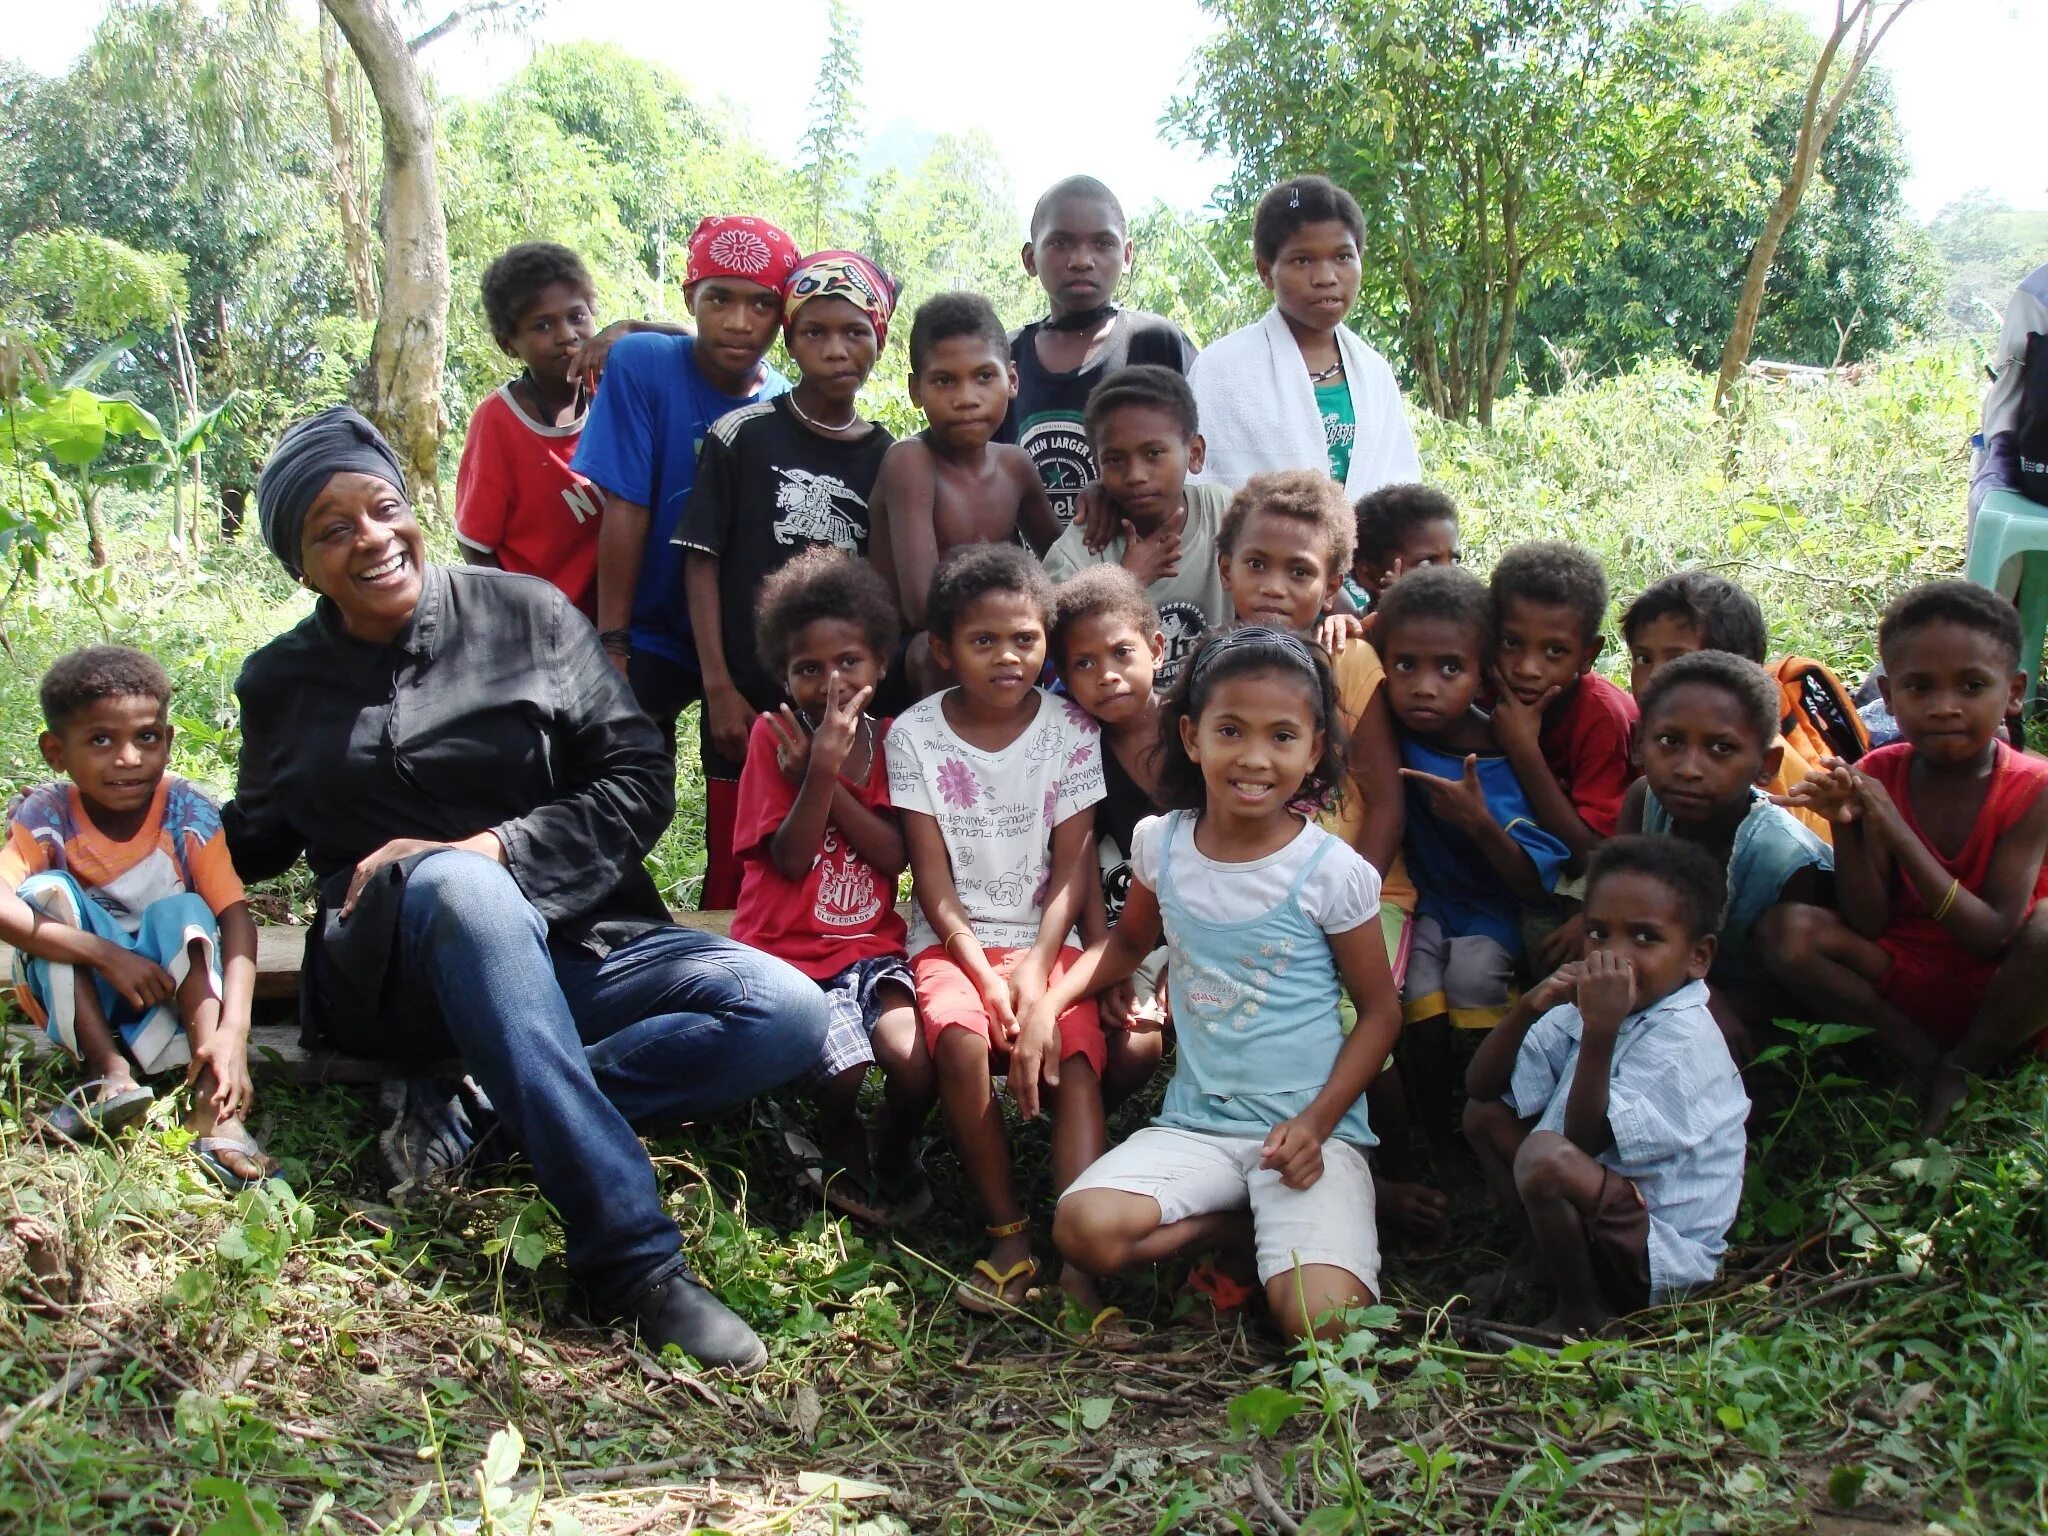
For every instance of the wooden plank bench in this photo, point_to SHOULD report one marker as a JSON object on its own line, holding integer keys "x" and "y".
{"x": 274, "y": 1048}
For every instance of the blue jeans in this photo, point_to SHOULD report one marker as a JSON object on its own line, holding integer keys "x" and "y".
{"x": 579, "y": 1054}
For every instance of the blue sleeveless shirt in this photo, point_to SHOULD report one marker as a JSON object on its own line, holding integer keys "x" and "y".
{"x": 1254, "y": 1011}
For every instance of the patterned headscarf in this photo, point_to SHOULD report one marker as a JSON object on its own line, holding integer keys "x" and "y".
{"x": 844, "y": 275}
{"x": 733, "y": 245}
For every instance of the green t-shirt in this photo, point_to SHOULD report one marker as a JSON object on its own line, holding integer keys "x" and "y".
{"x": 1340, "y": 426}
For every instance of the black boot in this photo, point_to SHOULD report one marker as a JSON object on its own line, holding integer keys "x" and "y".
{"x": 682, "y": 1312}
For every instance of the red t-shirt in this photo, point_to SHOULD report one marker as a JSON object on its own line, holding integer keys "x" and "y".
{"x": 517, "y": 498}
{"x": 844, "y": 909}
{"x": 1585, "y": 742}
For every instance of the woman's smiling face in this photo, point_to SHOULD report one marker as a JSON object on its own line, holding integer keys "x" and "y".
{"x": 361, "y": 547}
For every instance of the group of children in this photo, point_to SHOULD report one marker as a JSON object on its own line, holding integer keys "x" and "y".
{"x": 1258, "y": 762}
{"x": 1602, "y": 886}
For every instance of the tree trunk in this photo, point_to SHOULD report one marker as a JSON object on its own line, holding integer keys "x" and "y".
{"x": 1816, "y": 121}
{"x": 400, "y": 387}
{"x": 95, "y": 535}
{"x": 344, "y": 161}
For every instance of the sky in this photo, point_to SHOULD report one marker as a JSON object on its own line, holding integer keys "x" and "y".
{"x": 1966, "y": 74}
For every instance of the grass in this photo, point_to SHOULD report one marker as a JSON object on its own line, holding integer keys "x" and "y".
{"x": 174, "y": 1361}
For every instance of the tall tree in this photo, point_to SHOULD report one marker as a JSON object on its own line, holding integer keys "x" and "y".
{"x": 1489, "y": 141}
{"x": 400, "y": 386}
{"x": 831, "y": 144}
{"x": 1855, "y": 275}
{"x": 1861, "y": 25}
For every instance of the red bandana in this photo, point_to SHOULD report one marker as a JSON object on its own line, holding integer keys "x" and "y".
{"x": 733, "y": 245}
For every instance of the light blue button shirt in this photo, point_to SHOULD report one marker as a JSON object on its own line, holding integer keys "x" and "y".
{"x": 1677, "y": 1109}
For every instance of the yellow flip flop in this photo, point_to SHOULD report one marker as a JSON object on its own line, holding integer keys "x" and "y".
{"x": 1108, "y": 1330}
{"x": 995, "y": 1300}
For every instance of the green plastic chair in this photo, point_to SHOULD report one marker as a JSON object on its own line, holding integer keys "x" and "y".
{"x": 2009, "y": 529}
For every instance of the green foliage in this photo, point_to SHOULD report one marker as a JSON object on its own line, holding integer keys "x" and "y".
{"x": 1831, "y": 500}
{"x": 188, "y": 131}
{"x": 1988, "y": 247}
{"x": 1489, "y": 142}
{"x": 93, "y": 287}
{"x": 1193, "y": 271}
{"x": 1851, "y": 261}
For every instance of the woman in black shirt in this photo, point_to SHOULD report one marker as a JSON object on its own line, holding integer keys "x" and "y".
{"x": 474, "y": 789}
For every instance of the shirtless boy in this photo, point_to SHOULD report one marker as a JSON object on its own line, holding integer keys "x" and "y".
{"x": 950, "y": 484}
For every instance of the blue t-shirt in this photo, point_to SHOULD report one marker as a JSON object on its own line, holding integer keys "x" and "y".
{"x": 1457, "y": 886}
{"x": 640, "y": 443}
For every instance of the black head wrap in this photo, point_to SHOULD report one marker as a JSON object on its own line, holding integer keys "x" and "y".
{"x": 310, "y": 454}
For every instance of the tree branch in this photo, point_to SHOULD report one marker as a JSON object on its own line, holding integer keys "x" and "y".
{"x": 467, "y": 11}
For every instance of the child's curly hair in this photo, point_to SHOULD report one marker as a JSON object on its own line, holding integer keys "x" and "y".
{"x": 1721, "y": 612}
{"x": 823, "y": 583}
{"x": 1250, "y": 650}
{"x": 510, "y": 282}
{"x": 1448, "y": 592}
{"x": 98, "y": 672}
{"x": 1384, "y": 517}
{"x": 1557, "y": 575}
{"x": 1683, "y": 868}
{"x": 1748, "y": 684}
{"x": 1962, "y": 603}
{"x": 1101, "y": 591}
{"x": 1307, "y": 496}
{"x": 972, "y": 572}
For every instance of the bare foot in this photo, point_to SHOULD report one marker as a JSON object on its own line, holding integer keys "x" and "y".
{"x": 1097, "y": 1324}
{"x": 1573, "y": 1328}
{"x": 1946, "y": 1090}
{"x": 114, "y": 1082}
{"x": 1489, "y": 1291}
{"x": 1414, "y": 1207}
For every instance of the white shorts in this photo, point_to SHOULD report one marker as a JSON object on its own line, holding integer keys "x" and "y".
{"x": 1192, "y": 1174}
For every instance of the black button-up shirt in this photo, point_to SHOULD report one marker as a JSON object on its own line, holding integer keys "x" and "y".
{"x": 496, "y": 710}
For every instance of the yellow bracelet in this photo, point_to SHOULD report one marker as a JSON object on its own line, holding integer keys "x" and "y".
{"x": 958, "y": 933}
{"x": 1948, "y": 899}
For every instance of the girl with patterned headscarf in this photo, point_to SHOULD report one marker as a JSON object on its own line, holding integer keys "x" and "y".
{"x": 844, "y": 275}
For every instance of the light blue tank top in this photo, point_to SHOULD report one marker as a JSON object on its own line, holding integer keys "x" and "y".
{"x": 1771, "y": 846}
{"x": 1254, "y": 1012}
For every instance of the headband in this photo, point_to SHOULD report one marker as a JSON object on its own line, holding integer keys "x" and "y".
{"x": 311, "y": 453}
{"x": 1291, "y": 648}
{"x": 733, "y": 245}
{"x": 844, "y": 275}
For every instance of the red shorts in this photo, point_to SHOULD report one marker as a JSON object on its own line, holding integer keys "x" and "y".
{"x": 947, "y": 998}
{"x": 1940, "y": 987}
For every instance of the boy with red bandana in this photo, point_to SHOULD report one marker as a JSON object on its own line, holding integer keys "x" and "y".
{"x": 640, "y": 440}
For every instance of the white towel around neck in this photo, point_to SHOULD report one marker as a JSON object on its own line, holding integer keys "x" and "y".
{"x": 1258, "y": 410}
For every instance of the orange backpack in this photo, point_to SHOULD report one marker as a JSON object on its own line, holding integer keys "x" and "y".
{"x": 1816, "y": 716}
{"x": 1817, "y": 719}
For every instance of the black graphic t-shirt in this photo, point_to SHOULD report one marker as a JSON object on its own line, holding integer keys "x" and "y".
{"x": 1117, "y": 814}
{"x": 767, "y": 489}
{"x": 1046, "y": 416}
